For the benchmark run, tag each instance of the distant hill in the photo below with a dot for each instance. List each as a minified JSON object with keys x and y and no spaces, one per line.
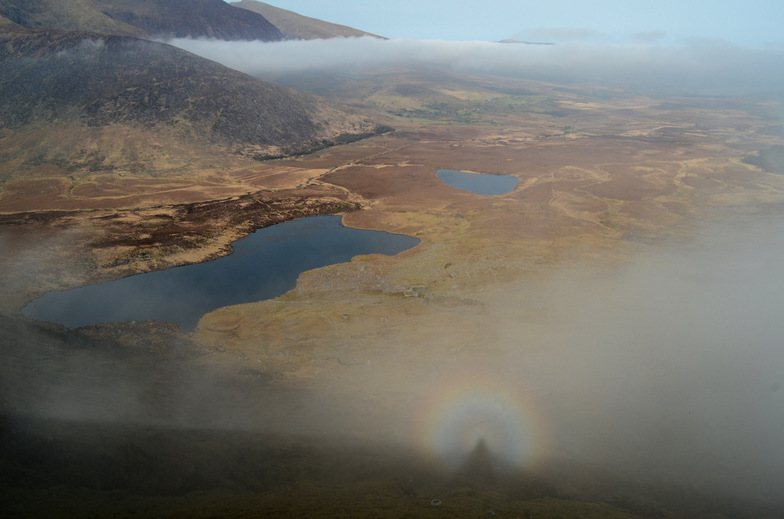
{"x":297,"y":27}
{"x":143,"y":18}
{"x":512,"y":40}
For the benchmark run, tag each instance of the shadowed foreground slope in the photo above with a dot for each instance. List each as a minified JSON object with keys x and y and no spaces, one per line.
{"x":147,"y":429}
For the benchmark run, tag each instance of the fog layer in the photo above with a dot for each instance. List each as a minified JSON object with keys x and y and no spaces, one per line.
{"x":669,"y":368}
{"x":699,"y":67}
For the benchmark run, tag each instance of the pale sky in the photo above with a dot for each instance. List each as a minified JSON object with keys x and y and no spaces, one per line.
{"x":746,"y":22}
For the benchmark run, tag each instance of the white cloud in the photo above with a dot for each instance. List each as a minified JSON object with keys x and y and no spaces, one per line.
{"x":697,"y":67}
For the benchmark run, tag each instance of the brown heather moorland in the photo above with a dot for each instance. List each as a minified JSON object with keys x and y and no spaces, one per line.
{"x":308,"y":404}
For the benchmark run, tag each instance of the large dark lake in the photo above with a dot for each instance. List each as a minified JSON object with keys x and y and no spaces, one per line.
{"x":263,"y":265}
{"x":479,"y":184}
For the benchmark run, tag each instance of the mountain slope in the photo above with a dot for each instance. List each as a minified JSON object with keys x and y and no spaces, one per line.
{"x":143,"y":18}
{"x":190,"y":18}
{"x":79,"y":81}
{"x":66,"y":15}
{"x":7,"y":25}
{"x":297,"y":27}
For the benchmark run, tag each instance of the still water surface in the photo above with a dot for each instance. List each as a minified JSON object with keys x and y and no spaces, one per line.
{"x":264,"y":265}
{"x":479,"y":184}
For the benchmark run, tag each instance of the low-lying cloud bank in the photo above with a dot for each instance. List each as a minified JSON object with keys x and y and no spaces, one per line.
{"x":701,"y":67}
{"x":671,"y":367}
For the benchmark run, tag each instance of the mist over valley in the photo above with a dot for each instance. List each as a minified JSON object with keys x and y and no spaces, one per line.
{"x":598,"y":338}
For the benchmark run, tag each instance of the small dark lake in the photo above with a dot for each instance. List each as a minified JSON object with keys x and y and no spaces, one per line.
{"x":264,"y":265}
{"x":479,"y":184}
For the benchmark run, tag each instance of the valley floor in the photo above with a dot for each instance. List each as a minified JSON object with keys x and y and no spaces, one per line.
{"x":336,"y":399}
